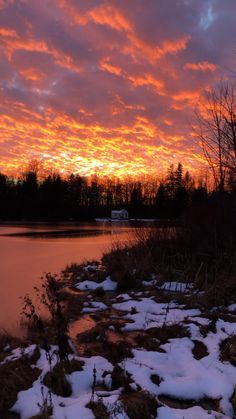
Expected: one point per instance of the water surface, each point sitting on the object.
(27, 251)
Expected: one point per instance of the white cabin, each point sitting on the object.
(120, 214)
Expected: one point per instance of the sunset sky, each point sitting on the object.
(108, 86)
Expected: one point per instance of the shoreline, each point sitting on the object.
(128, 351)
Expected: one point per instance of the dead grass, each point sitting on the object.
(114, 352)
(228, 350)
(148, 342)
(56, 379)
(45, 415)
(16, 376)
(233, 402)
(89, 270)
(120, 379)
(200, 250)
(166, 332)
(199, 350)
(140, 405)
(7, 343)
(177, 403)
(98, 409)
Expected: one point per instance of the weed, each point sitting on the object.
(233, 402)
(7, 343)
(98, 409)
(15, 376)
(177, 403)
(140, 405)
(46, 405)
(133, 310)
(148, 342)
(49, 296)
(228, 350)
(166, 332)
(94, 382)
(57, 382)
(199, 350)
(120, 379)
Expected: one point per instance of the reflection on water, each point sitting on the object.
(24, 259)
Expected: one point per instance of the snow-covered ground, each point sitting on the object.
(184, 385)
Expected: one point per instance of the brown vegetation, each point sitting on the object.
(15, 376)
(140, 405)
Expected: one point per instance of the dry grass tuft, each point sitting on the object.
(15, 376)
(140, 405)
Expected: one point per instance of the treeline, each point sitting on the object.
(76, 198)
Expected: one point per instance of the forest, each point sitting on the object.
(53, 197)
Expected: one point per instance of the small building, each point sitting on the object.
(119, 214)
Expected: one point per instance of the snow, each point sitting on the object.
(182, 377)
(73, 407)
(107, 285)
(146, 313)
(81, 381)
(93, 306)
(176, 286)
(149, 283)
(195, 412)
(18, 353)
(90, 267)
(232, 307)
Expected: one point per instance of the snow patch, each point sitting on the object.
(107, 285)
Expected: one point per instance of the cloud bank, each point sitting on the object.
(108, 86)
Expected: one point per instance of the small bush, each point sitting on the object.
(7, 343)
(228, 350)
(57, 382)
(166, 332)
(200, 248)
(15, 376)
(98, 409)
(148, 342)
(120, 379)
(140, 405)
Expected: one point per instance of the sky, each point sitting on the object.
(109, 87)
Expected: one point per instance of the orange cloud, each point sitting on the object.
(8, 33)
(12, 42)
(106, 66)
(59, 139)
(31, 74)
(201, 66)
(110, 15)
(146, 79)
(107, 14)
(125, 105)
(172, 47)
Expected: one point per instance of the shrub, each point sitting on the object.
(57, 382)
(15, 376)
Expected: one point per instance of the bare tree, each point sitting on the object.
(216, 129)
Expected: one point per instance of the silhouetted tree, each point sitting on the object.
(216, 129)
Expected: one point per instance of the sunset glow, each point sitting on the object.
(108, 87)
